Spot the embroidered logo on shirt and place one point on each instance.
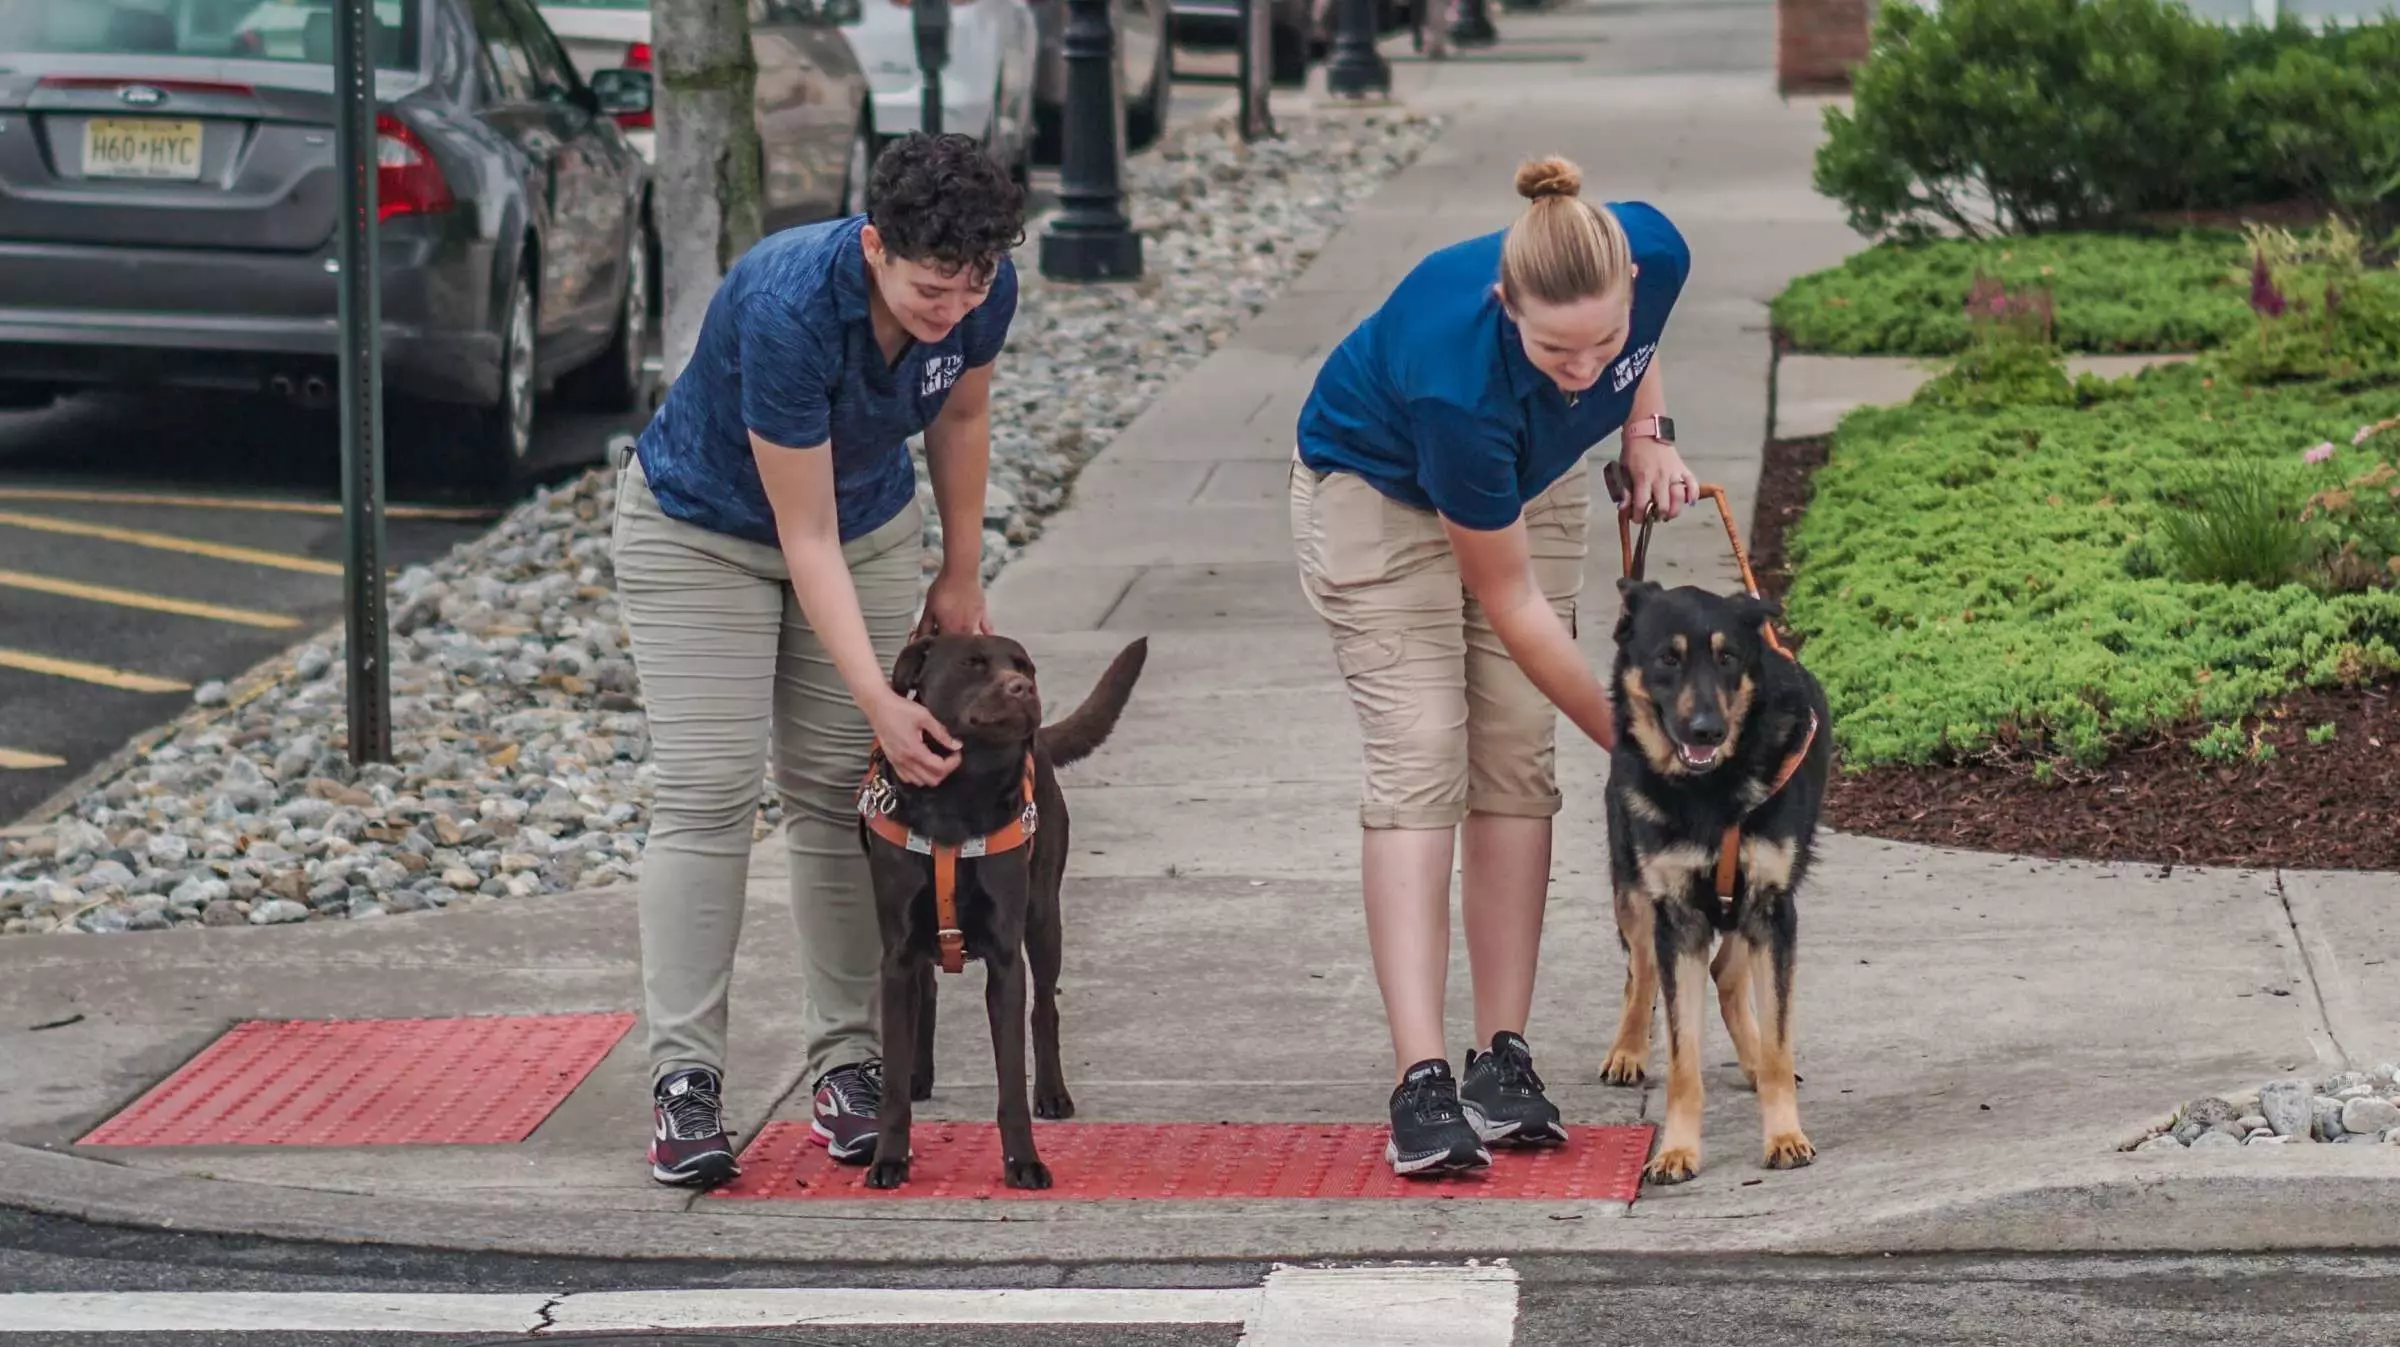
(941, 372)
(1630, 368)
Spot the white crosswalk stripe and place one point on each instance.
(1453, 1306)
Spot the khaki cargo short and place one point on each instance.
(1452, 726)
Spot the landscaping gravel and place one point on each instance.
(2351, 1108)
(522, 755)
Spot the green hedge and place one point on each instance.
(1977, 580)
(2026, 116)
(2112, 292)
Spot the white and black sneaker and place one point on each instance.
(690, 1145)
(1503, 1099)
(1430, 1133)
(842, 1116)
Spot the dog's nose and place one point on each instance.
(1707, 730)
(1016, 685)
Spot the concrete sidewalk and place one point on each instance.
(1977, 1032)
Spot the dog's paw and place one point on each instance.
(1789, 1150)
(1053, 1105)
(1027, 1174)
(1623, 1068)
(920, 1085)
(1677, 1164)
(887, 1173)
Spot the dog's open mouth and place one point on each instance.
(1699, 757)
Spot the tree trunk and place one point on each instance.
(708, 157)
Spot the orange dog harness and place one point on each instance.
(877, 798)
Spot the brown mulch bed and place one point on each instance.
(2330, 806)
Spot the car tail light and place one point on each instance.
(407, 181)
(637, 57)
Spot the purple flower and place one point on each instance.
(2319, 454)
(2264, 297)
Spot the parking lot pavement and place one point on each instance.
(149, 544)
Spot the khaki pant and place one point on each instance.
(1452, 726)
(729, 666)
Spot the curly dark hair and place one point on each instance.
(943, 201)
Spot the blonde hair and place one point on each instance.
(1562, 248)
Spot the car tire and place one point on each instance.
(859, 165)
(1146, 121)
(1288, 57)
(495, 453)
(619, 379)
(25, 397)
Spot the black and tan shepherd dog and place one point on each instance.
(1717, 728)
(983, 690)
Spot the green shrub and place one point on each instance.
(1977, 581)
(2019, 116)
(2031, 116)
(2110, 292)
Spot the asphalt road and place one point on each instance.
(1578, 1302)
(152, 542)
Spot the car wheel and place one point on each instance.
(859, 168)
(24, 397)
(1288, 59)
(496, 451)
(618, 381)
(1147, 120)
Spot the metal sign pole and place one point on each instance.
(932, 19)
(369, 639)
(1257, 70)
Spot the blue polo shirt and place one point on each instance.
(787, 349)
(1432, 400)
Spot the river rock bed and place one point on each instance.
(2349, 1108)
(521, 755)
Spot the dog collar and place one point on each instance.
(1730, 851)
(878, 799)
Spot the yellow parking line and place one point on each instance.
(167, 542)
(88, 673)
(134, 598)
(61, 495)
(18, 760)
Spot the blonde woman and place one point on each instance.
(1439, 496)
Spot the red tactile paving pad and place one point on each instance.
(482, 1080)
(1192, 1161)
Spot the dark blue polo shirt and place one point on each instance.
(786, 349)
(1432, 400)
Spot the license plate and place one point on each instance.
(141, 147)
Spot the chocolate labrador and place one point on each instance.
(994, 835)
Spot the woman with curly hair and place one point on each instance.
(1439, 497)
(768, 548)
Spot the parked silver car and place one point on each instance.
(816, 127)
(168, 208)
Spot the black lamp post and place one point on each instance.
(1354, 69)
(932, 22)
(1091, 239)
(357, 310)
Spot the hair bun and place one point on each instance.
(1539, 178)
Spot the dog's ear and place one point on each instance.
(908, 671)
(1756, 613)
(1631, 595)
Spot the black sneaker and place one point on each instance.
(690, 1146)
(1430, 1135)
(848, 1100)
(1502, 1098)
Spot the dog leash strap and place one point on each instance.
(1729, 852)
(945, 909)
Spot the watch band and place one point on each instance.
(1659, 428)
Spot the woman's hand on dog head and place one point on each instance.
(902, 727)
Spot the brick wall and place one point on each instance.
(1817, 41)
